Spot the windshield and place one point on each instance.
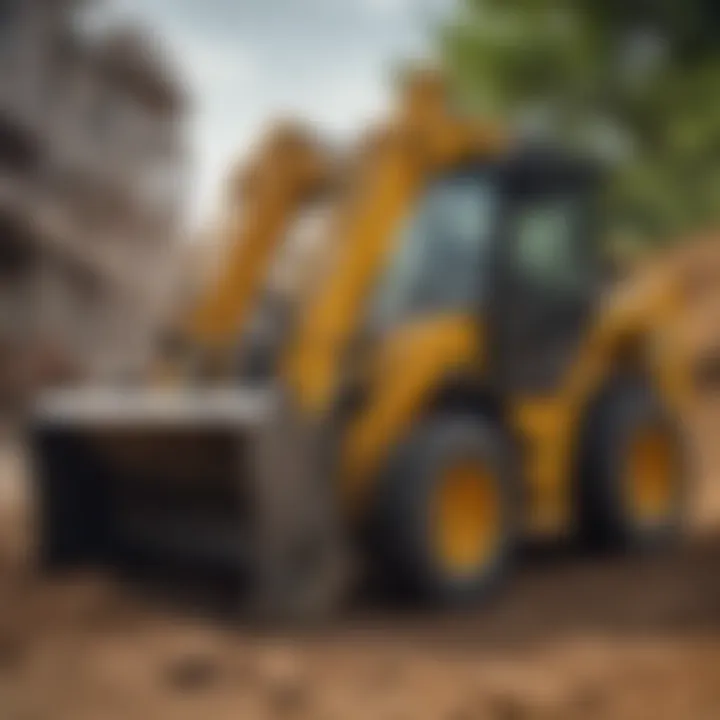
(437, 265)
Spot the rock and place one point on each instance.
(193, 673)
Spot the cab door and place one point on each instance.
(547, 279)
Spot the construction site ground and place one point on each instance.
(571, 637)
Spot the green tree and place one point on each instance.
(632, 80)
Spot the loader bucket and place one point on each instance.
(223, 479)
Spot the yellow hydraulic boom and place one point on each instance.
(288, 170)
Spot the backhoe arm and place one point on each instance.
(289, 168)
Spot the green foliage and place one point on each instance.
(633, 80)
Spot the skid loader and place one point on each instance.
(464, 378)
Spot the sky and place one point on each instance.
(246, 62)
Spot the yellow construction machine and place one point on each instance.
(463, 378)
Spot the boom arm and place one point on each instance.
(289, 168)
(422, 139)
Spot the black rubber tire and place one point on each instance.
(401, 538)
(605, 523)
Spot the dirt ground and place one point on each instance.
(570, 638)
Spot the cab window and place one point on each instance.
(441, 250)
(548, 251)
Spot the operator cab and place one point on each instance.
(513, 241)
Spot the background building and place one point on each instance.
(92, 169)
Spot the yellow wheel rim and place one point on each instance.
(468, 515)
(651, 477)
